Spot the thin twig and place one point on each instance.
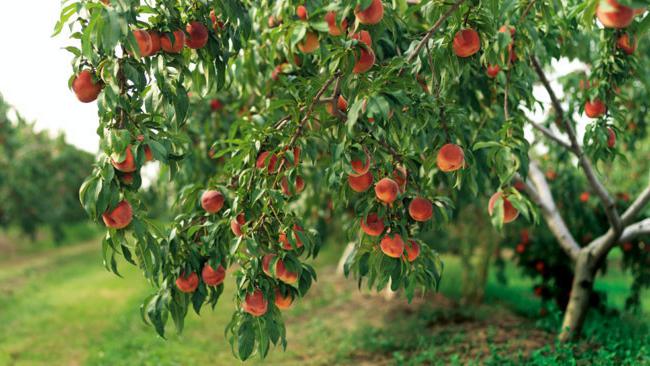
(526, 11)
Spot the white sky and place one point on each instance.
(34, 71)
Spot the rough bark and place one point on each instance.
(581, 289)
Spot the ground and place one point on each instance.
(61, 307)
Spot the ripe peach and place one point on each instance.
(274, 22)
(263, 161)
(363, 37)
(341, 104)
(373, 225)
(173, 47)
(550, 174)
(128, 164)
(614, 15)
(360, 183)
(540, 266)
(217, 24)
(119, 217)
(611, 138)
(584, 196)
(299, 186)
(525, 236)
(285, 242)
(520, 248)
(212, 277)
(420, 209)
(370, 15)
(627, 246)
(255, 303)
(361, 166)
(386, 190)
(510, 213)
(189, 283)
(365, 60)
(216, 105)
(278, 70)
(155, 42)
(284, 274)
(493, 71)
(85, 88)
(466, 43)
(310, 43)
(623, 42)
(127, 178)
(266, 264)
(237, 223)
(412, 249)
(450, 158)
(334, 29)
(400, 177)
(212, 201)
(197, 35)
(143, 39)
(282, 301)
(301, 12)
(595, 108)
(392, 246)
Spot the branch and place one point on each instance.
(636, 206)
(548, 133)
(607, 201)
(526, 11)
(544, 198)
(635, 230)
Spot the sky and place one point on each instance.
(35, 71)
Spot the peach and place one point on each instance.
(363, 37)
(119, 217)
(540, 266)
(212, 201)
(197, 35)
(627, 246)
(278, 70)
(274, 22)
(255, 303)
(520, 248)
(217, 24)
(301, 12)
(360, 183)
(335, 29)
(373, 225)
(237, 223)
(127, 178)
(584, 197)
(595, 108)
(282, 301)
(85, 88)
(212, 277)
(493, 71)
(173, 47)
(623, 42)
(262, 163)
(420, 209)
(266, 264)
(386, 190)
(189, 283)
(299, 185)
(360, 166)
(365, 60)
(614, 15)
(510, 213)
(155, 42)
(128, 164)
(216, 105)
(466, 43)
(611, 138)
(550, 174)
(370, 15)
(143, 39)
(341, 104)
(400, 177)
(280, 271)
(450, 158)
(148, 155)
(392, 246)
(285, 242)
(310, 43)
(412, 249)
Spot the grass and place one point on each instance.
(60, 307)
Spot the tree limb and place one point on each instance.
(635, 230)
(548, 133)
(542, 195)
(600, 190)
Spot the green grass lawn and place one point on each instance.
(61, 307)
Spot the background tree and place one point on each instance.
(392, 110)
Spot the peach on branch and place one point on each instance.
(595, 108)
(310, 43)
(420, 209)
(175, 46)
(128, 164)
(611, 138)
(212, 201)
(335, 29)
(274, 21)
(216, 105)
(450, 158)
(197, 35)
(493, 71)
(217, 24)
(360, 183)
(510, 213)
(584, 196)
(283, 301)
(362, 165)
(412, 249)
(237, 223)
(370, 15)
(373, 225)
(625, 44)
(211, 276)
(85, 88)
(155, 42)
(341, 104)
(299, 185)
(466, 43)
(144, 42)
(392, 246)
(255, 303)
(187, 283)
(119, 217)
(301, 12)
(520, 248)
(285, 241)
(614, 15)
(386, 190)
(264, 161)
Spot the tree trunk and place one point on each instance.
(581, 289)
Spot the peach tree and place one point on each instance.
(263, 114)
